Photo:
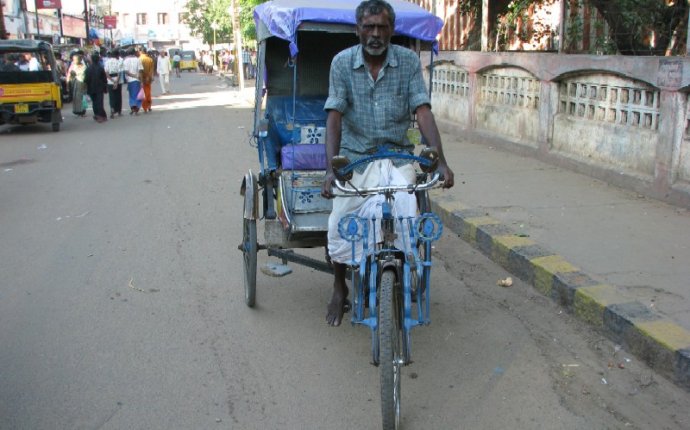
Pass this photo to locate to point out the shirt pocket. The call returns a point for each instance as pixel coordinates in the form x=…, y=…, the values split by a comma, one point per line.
x=396, y=109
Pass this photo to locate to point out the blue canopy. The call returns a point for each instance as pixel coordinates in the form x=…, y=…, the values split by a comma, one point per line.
x=282, y=18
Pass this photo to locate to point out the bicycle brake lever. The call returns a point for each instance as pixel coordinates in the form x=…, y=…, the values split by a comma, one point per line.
x=359, y=193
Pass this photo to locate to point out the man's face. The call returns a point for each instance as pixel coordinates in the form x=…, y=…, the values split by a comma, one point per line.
x=375, y=33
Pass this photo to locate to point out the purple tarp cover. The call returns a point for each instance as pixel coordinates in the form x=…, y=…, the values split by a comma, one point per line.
x=283, y=17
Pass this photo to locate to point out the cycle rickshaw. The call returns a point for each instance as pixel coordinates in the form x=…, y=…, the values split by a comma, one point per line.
x=391, y=284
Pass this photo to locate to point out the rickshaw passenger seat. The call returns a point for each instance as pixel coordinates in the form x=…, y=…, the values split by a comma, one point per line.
x=286, y=134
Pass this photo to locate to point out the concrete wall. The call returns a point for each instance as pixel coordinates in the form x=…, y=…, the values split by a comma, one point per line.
x=625, y=120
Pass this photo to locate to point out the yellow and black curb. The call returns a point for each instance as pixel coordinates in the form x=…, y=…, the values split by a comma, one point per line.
x=659, y=342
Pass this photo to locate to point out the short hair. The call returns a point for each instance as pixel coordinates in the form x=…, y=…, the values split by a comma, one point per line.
x=375, y=7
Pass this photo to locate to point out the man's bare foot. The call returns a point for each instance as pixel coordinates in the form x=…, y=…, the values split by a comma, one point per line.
x=337, y=307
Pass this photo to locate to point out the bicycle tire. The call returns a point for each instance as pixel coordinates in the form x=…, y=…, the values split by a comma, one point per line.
x=390, y=354
x=249, y=251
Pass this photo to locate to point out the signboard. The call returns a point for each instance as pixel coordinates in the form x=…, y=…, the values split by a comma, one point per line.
x=110, y=22
x=73, y=27
x=47, y=25
x=48, y=4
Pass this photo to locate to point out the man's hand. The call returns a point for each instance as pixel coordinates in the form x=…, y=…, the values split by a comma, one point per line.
x=447, y=174
x=327, y=187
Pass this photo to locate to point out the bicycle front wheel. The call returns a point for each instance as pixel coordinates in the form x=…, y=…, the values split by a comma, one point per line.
x=390, y=351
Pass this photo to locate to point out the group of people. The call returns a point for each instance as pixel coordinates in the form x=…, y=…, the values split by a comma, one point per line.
x=21, y=62
x=225, y=61
x=94, y=77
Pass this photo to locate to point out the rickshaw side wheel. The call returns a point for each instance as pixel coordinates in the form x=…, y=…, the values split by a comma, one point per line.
x=56, y=126
x=249, y=250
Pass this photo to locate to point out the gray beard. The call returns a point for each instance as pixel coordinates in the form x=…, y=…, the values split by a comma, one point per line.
x=375, y=52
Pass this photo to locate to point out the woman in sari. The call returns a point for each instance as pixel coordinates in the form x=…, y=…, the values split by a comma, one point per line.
x=76, y=81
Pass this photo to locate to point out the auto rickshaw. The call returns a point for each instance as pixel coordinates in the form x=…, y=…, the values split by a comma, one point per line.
x=29, y=84
x=188, y=61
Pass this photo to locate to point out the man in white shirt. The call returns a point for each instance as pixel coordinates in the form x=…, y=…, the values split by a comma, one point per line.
x=163, y=67
x=34, y=65
x=133, y=68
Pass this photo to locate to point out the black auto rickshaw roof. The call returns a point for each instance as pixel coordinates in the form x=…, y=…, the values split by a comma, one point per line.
x=24, y=45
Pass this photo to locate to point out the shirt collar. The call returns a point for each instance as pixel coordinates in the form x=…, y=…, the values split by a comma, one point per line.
x=391, y=57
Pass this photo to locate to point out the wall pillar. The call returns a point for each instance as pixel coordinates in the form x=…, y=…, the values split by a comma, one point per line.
x=475, y=96
x=548, y=108
x=672, y=113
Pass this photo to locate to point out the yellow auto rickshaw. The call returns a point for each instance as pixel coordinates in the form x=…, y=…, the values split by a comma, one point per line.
x=29, y=83
x=188, y=61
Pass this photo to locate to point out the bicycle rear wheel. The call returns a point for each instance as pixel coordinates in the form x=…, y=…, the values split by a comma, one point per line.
x=249, y=251
x=390, y=351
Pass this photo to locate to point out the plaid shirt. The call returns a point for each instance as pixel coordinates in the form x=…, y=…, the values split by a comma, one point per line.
x=375, y=113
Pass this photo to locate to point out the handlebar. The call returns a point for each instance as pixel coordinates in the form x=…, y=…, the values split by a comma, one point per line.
x=410, y=188
x=343, y=169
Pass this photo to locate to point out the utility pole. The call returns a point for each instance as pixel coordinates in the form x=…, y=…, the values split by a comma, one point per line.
x=62, y=35
x=237, y=38
x=561, y=27
x=3, y=33
x=214, y=26
x=86, y=19
x=38, y=29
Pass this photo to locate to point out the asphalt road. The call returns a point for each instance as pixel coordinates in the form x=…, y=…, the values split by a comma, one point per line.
x=122, y=305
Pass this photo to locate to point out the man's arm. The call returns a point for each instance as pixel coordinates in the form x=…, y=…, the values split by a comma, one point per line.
x=427, y=125
x=333, y=133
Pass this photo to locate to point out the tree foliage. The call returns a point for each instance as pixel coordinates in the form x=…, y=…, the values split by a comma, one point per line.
x=645, y=27
x=202, y=14
x=521, y=24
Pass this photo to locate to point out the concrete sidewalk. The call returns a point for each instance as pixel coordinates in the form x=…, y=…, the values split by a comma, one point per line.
x=616, y=259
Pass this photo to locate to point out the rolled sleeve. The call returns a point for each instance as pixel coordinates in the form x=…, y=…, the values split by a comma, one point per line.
x=337, y=86
x=335, y=103
x=418, y=93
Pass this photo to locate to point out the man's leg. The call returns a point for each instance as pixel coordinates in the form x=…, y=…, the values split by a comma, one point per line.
x=336, y=308
x=161, y=80
x=147, y=97
x=341, y=250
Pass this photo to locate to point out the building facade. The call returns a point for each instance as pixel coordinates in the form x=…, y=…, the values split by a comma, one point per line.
x=159, y=24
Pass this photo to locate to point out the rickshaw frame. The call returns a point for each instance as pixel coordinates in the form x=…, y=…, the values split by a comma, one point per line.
x=279, y=79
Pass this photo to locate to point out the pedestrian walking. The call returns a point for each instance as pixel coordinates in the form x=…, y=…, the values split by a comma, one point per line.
x=113, y=69
x=147, y=73
x=176, y=63
x=96, y=87
x=246, y=62
x=163, y=68
x=133, y=68
x=75, y=81
x=208, y=62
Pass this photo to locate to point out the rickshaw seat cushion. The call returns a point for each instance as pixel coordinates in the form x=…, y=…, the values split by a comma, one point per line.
x=304, y=157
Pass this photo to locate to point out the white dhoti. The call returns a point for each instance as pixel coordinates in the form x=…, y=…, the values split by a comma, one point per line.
x=378, y=173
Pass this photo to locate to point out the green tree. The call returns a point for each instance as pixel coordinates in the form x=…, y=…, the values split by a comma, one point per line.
x=645, y=27
x=247, y=18
x=201, y=14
